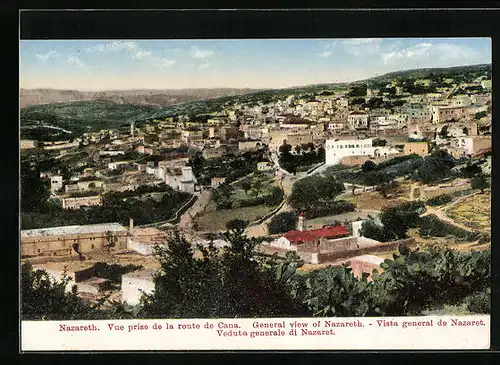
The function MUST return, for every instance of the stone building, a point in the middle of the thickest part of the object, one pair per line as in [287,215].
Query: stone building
[82,201]
[71,240]
[420,148]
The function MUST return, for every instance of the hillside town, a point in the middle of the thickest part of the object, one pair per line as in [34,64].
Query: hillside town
[420,144]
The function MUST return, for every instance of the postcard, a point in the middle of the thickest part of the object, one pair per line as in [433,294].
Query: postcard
[255,194]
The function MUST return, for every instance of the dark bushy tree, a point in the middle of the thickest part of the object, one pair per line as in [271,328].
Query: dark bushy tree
[43,298]
[436,167]
[314,190]
[283,222]
[236,224]
[228,284]
[480,182]
[368,166]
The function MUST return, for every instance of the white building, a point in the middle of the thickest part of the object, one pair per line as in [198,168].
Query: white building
[118,164]
[183,181]
[336,149]
[56,182]
[135,283]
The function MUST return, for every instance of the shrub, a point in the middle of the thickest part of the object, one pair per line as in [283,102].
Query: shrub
[432,226]
[372,230]
[329,208]
[236,224]
[252,202]
[479,302]
[275,197]
[439,200]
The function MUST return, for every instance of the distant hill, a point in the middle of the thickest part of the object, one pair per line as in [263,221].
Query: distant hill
[423,73]
[160,98]
[78,111]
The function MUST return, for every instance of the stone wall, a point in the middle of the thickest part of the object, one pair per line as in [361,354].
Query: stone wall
[359,160]
[332,256]
[335,245]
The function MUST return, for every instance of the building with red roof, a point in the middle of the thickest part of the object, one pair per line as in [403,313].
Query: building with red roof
[294,238]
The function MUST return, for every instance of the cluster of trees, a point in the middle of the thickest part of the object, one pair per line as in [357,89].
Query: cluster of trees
[306,155]
[223,194]
[283,222]
[236,282]
[432,226]
[315,196]
[394,222]
[378,103]
[480,115]
[436,167]
[357,91]
[115,208]
[371,173]
[439,200]
[230,166]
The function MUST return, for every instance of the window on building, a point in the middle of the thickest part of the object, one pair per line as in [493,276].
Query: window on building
[92,247]
[38,250]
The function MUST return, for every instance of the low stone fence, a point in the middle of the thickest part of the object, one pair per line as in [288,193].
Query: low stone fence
[268,215]
[359,160]
[318,257]
[310,171]
[46,259]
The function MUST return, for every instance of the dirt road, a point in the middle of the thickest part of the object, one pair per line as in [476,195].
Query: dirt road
[186,221]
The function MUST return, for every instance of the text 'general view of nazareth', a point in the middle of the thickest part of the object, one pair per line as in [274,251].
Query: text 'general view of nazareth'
[255,178]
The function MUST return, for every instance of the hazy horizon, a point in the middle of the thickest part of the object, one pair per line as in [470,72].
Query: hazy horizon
[93,66]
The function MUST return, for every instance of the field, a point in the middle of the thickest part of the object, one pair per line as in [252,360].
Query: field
[372,201]
[473,212]
[214,221]
[266,182]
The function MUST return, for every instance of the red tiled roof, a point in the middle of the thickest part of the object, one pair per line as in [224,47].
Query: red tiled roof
[357,113]
[308,236]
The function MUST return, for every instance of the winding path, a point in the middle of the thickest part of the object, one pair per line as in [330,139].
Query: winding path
[186,221]
[441,211]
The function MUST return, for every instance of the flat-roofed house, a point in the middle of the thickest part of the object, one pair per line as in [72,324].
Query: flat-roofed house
[135,283]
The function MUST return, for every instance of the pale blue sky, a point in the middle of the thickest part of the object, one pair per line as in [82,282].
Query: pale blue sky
[265,63]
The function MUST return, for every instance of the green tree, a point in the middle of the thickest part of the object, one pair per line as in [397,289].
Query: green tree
[246,186]
[256,187]
[283,222]
[480,182]
[236,224]
[388,187]
[314,190]
[222,196]
[111,240]
[436,167]
[471,171]
[34,191]
[368,166]
[43,298]
[227,283]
